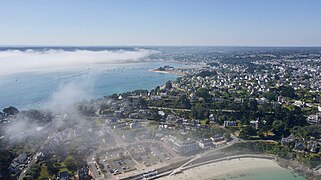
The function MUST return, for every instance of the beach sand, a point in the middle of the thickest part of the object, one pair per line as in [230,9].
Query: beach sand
[222,169]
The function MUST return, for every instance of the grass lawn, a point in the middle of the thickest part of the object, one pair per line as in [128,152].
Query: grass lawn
[44,172]
[99,122]
[65,169]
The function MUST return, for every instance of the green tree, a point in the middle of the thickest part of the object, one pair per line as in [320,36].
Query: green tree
[10,110]
[278,128]
[253,105]
[142,103]
[168,85]
[247,131]
[33,172]
[287,91]
[200,110]
[70,163]
[184,101]
[270,96]
[203,93]
[227,136]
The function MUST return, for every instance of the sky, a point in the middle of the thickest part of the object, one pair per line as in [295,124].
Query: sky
[160,22]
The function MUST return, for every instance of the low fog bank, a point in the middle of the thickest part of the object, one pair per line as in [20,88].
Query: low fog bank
[18,61]
[61,110]
[71,102]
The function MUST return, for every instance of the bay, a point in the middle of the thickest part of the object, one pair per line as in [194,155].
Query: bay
[32,89]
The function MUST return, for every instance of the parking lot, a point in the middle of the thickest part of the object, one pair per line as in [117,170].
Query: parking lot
[119,165]
[135,158]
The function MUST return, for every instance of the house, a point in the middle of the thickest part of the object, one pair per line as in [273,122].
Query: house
[161,113]
[230,123]
[118,114]
[238,100]
[205,143]
[217,138]
[180,121]
[181,146]
[314,118]
[155,98]
[133,116]
[287,140]
[255,124]
[299,146]
[14,167]
[313,147]
[134,125]
[171,117]
[64,175]
[299,103]
[83,174]
[231,91]
[192,96]
[22,158]
[262,100]
[218,144]
[213,118]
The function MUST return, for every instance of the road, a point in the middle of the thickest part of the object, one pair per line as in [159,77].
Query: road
[234,141]
[94,169]
[199,156]
[179,109]
[26,169]
[34,157]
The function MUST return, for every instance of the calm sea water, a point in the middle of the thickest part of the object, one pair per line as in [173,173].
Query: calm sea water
[31,90]
[276,173]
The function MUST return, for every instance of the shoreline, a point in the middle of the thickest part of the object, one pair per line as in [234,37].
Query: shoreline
[167,72]
[298,168]
[232,168]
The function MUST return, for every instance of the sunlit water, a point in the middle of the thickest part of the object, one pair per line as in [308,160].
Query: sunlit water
[31,90]
[276,173]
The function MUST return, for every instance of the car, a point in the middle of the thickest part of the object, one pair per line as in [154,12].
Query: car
[24,171]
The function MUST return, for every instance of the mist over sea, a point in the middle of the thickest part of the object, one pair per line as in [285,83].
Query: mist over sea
[34,75]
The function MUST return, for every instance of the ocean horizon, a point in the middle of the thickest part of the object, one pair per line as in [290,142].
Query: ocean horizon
[106,71]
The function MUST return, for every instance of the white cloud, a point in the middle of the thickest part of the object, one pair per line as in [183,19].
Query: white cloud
[66,95]
[15,61]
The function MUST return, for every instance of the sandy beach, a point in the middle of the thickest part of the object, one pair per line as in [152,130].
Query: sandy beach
[168,72]
[218,170]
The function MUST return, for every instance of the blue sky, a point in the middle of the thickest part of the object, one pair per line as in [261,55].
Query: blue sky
[161,22]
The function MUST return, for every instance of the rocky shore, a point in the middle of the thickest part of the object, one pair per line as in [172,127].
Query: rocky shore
[296,167]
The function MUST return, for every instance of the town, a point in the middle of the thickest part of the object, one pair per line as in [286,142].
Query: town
[218,102]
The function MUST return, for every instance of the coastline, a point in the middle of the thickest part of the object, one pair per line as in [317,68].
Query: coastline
[229,169]
[168,72]
[298,168]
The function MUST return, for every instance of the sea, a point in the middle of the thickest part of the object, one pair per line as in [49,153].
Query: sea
[33,89]
[276,173]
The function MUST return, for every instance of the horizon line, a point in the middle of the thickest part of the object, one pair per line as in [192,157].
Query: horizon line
[155,45]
